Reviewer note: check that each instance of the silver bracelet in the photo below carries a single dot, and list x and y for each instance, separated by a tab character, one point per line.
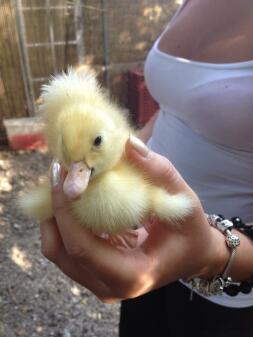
218	283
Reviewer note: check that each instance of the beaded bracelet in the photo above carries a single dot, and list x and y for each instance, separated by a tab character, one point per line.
217	285
242	227
224	283
244	287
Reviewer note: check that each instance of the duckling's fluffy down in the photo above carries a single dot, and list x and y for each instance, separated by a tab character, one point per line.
118	196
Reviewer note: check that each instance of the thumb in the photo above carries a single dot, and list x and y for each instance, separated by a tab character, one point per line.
158	168
58	175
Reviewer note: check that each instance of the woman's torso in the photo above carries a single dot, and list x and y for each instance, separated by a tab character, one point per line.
205	123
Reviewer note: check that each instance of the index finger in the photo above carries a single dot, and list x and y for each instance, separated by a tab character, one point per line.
158	168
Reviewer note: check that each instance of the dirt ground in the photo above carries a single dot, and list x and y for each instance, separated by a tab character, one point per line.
36	299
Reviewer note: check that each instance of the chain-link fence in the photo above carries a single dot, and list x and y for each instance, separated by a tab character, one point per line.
42	37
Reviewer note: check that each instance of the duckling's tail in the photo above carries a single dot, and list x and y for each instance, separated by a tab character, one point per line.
171	208
37	203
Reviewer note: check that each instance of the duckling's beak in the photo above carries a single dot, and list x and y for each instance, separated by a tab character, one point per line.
76	180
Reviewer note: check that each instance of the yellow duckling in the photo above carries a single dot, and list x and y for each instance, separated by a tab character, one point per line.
87	133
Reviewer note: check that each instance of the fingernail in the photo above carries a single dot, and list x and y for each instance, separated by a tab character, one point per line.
139	146
55	173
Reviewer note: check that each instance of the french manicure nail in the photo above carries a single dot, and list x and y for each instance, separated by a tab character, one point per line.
55	173
138	145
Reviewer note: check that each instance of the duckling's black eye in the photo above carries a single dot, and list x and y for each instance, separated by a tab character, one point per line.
97	141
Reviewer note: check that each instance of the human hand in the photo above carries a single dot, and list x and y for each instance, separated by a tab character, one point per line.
163	254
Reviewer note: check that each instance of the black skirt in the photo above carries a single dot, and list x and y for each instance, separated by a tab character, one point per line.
169	312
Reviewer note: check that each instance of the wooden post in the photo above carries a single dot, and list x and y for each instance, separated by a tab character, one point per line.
24	59
51	34
79	32
106	43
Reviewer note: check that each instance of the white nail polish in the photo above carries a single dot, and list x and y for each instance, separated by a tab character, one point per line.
138	145
55	173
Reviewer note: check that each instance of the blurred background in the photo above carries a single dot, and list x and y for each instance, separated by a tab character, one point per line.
39	38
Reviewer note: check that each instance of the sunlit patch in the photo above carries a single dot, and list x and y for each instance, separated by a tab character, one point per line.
10	173
140	45
85	67
1	236
153	13
19	257
94	314
75	291
5	164
125	37
39	328
179	2
84	300
5	185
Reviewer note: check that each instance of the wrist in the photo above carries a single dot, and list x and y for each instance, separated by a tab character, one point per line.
242	268
219	225
239	266
217	257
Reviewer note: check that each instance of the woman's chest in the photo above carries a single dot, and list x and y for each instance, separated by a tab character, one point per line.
211	31
216	101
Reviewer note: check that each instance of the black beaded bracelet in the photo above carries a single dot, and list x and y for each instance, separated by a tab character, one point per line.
235	288
240	225
244	287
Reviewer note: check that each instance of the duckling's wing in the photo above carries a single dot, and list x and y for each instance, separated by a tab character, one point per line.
115	203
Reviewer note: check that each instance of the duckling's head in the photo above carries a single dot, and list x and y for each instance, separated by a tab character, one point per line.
90	142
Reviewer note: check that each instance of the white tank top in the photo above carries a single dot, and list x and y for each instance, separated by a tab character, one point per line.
205	127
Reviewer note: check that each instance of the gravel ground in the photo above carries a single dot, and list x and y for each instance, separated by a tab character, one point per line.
36	299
